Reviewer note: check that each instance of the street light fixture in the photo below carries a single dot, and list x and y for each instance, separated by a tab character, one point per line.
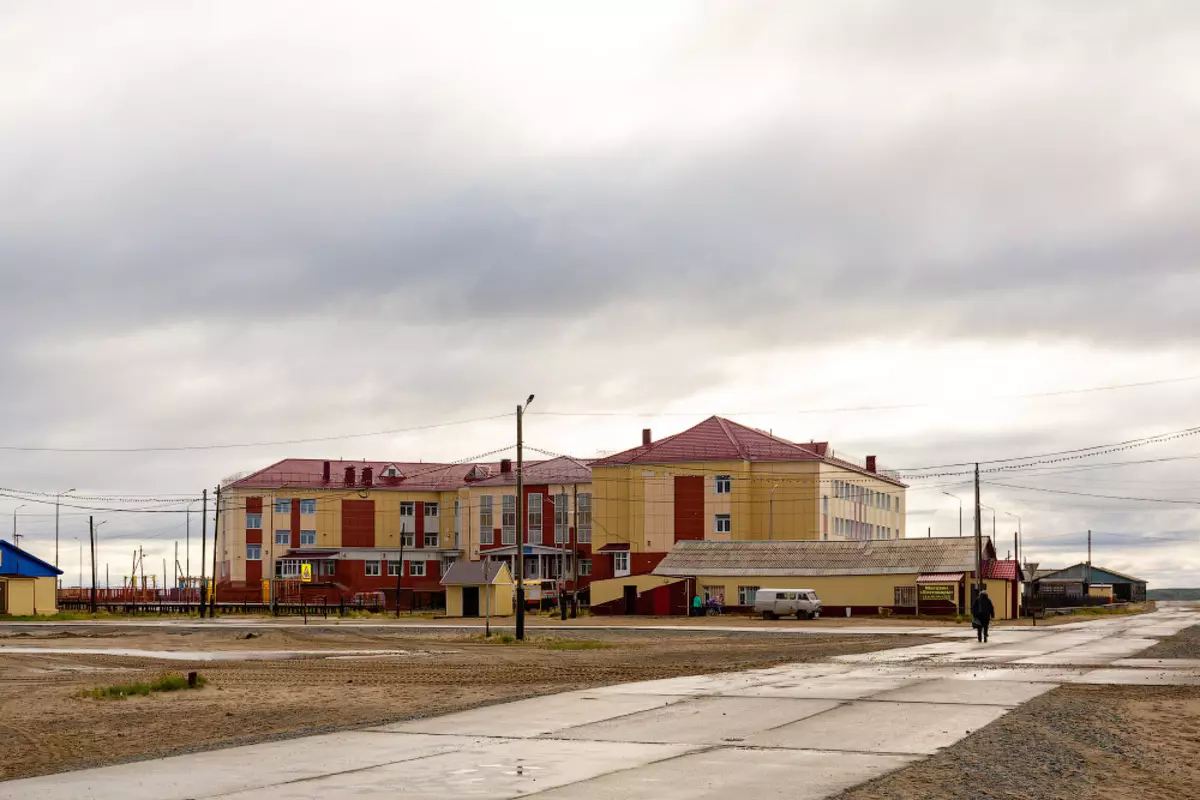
521	520
960	508
989	508
1020	533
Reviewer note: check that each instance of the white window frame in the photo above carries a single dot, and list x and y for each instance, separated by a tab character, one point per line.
416	569
283	506
534	520
372	569
621	563
312	540
722	523
408	539
904	596
747	594
283	540
723	484
393	567
432	510
584	510
585	567
253	552
253	522
408	509
433	539
330	567
487	519
562	519
508	519
308	507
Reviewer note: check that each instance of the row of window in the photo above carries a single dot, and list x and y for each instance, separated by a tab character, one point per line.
869	497
290	568
285	507
534	519
853	529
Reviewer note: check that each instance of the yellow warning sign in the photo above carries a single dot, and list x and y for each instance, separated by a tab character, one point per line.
306	573
266	591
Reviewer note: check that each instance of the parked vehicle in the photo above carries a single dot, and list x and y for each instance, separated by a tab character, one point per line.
774	603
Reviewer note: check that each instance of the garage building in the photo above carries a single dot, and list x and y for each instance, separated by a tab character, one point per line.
27	584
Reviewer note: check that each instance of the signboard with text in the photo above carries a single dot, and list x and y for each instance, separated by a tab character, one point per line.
936	592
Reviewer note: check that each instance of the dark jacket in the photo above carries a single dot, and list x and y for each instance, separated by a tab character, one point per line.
982	609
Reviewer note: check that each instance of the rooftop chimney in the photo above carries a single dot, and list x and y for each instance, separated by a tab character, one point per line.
368	475
325	472
870	463
646	437
349	476
505	466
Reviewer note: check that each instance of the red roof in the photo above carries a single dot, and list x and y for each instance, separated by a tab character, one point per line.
306	473
1001	570
561	470
719	439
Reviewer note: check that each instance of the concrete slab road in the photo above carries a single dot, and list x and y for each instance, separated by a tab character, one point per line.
798	731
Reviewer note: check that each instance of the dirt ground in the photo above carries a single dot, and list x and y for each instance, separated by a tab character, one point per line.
46	726
1103	742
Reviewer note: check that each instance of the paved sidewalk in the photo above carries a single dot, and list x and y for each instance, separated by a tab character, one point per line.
798	731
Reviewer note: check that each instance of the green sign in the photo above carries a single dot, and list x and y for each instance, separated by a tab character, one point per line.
936	592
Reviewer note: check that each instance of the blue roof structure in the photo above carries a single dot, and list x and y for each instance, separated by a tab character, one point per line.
1098	575
16	562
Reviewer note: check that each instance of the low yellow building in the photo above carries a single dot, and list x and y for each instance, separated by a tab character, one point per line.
478	589
28	585
905	576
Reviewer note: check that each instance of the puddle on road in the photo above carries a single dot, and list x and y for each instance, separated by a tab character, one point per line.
216	655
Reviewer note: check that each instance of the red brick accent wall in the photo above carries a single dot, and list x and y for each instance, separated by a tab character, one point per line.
358	523
689	507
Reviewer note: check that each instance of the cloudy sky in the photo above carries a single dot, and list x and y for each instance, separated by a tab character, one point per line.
878	224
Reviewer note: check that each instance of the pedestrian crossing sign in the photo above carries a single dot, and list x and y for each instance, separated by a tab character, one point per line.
306	573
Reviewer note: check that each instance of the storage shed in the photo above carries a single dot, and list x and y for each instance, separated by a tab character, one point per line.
1125	588
28	585
479	588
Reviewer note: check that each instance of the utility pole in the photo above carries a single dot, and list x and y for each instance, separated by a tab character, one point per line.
521	521
15	538
57	497
1089	561
92	535
187	544
203	544
575	559
212	608
400	569
978	537
562	558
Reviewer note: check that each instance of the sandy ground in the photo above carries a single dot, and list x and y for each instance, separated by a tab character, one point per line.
47	727
1076	741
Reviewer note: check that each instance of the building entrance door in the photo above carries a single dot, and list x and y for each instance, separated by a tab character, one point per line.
631	600
470	601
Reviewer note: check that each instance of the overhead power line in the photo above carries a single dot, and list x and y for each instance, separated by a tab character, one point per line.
1092	494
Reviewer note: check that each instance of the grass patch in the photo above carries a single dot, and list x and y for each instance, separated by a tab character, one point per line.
586	645
163	683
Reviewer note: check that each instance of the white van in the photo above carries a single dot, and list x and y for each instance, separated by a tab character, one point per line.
773	603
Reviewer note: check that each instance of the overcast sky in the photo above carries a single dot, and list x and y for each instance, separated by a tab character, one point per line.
224	222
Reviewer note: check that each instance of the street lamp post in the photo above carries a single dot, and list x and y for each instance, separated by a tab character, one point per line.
1020	533
989	508
57	497
14	536
960	507
80	562
521	521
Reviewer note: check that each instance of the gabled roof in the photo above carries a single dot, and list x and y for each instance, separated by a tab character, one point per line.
561	470
474	573
720	439
306	473
1002	570
822	558
15	561
1079	572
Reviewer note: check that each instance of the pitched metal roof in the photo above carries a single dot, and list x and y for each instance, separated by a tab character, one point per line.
561	470
473	573
821	558
1079	571
306	473
17	562
1002	570
720	439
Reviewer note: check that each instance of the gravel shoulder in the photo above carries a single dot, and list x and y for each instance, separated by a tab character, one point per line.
48	727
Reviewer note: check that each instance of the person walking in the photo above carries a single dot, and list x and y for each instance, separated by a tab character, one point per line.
983	611
697	606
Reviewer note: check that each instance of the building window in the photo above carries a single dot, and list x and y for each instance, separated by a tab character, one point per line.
457	522
431	540
620	564
393	568
825	505
408	509
308	538
283	538
371	569
330	567
283	506
905	596
391	472
287	568
254	552
714	593
746	595
254	521
584	510
508	519
585	567
431	509
722	524
416	569
308	506
562	525
724	484
408	539
487	521
535	519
